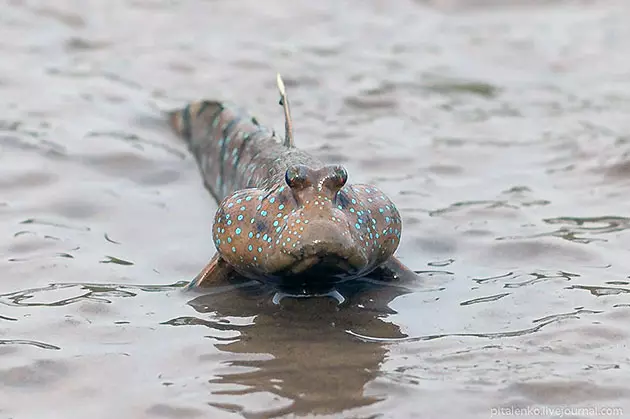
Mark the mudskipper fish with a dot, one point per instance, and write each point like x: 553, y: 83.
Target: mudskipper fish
x: 284, y: 216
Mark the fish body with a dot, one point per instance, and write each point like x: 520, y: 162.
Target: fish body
x: 284, y: 216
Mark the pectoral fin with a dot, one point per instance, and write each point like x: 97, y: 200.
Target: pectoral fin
x: 216, y: 272
x: 394, y: 270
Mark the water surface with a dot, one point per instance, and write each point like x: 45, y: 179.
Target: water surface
x: 502, y: 132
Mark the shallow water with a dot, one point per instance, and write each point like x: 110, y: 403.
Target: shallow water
x: 501, y: 132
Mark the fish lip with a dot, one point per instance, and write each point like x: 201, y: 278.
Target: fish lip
x: 336, y: 257
x: 304, y: 264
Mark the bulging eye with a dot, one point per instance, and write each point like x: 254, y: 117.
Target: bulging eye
x: 336, y: 177
x: 296, y: 176
x: 340, y: 176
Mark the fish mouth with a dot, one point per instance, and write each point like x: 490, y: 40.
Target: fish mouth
x: 333, y: 256
x: 321, y: 263
x: 317, y: 268
x: 315, y: 274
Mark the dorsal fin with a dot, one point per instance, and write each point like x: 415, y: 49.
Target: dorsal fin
x: 288, y: 123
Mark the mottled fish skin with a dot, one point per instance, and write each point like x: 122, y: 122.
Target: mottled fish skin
x: 284, y: 215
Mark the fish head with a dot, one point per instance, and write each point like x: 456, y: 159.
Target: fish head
x: 312, y: 229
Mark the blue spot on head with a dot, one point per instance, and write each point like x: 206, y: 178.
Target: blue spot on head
x: 238, y: 231
x: 250, y: 235
x: 229, y: 222
x: 250, y: 247
x: 278, y: 229
x: 272, y: 200
x: 240, y: 217
x: 265, y: 237
x: 381, y: 210
x: 281, y: 207
x: 263, y: 213
x: 238, y: 201
x: 230, y: 205
x: 243, y: 208
x: 259, y: 249
x: 357, y: 225
x: 275, y: 223
x: 249, y: 198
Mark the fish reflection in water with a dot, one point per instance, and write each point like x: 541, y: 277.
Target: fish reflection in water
x: 298, y: 333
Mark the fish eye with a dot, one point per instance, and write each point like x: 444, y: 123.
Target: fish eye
x: 296, y: 176
x: 341, y: 175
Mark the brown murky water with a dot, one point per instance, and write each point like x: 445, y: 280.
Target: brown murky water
x: 503, y: 133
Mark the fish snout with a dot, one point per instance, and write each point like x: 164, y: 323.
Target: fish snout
x: 328, y: 243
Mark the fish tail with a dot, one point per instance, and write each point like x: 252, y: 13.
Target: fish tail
x: 182, y: 121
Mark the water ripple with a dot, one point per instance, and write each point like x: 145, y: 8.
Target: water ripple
x: 599, y: 291
x: 575, y: 229
x: 519, y: 279
x: 484, y: 299
x: 87, y: 292
x: 53, y: 224
x: 491, y: 335
x: 137, y: 142
x: 40, y: 345
x: 117, y: 261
